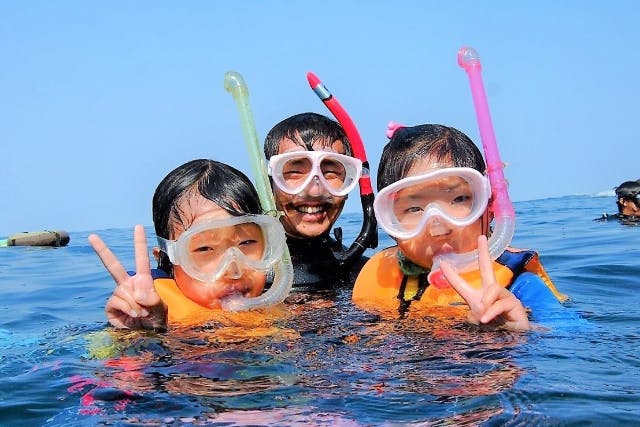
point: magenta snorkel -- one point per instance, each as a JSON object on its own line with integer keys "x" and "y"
{"x": 368, "y": 237}
{"x": 501, "y": 206}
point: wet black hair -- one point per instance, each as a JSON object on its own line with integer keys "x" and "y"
{"x": 222, "y": 184}
{"x": 410, "y": 144}
{"x": 628, "y": 190}
{"x": 308, "y": 128}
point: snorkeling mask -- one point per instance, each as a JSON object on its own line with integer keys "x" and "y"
{"x": 456, "y": 195}
{"x": 211, "y": 249}
{"x": 293, "y": 171}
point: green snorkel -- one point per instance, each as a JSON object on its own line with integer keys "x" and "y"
{"x": 283, "y": 279}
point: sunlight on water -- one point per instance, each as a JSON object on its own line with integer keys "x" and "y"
{"x": 323, "y": 361}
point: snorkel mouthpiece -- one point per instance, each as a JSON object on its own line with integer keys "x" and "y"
{"x": 501, "y": 206}
{"x": 283, "y": 278}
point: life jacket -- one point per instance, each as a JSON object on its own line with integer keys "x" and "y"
{"x": 381, "y": 284}
{"x": 182, "y": 309}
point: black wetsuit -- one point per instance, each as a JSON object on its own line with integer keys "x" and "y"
{"x": 315, "y": 267}
{"x": 624, "y": 219}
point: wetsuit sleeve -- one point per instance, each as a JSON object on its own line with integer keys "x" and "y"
{"x": 545, "y": 308}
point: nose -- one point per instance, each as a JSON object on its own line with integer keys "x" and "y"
{"x": 233, "y": 269}
{"x": 315, "y": 187}
{"x": 437, "y": 227}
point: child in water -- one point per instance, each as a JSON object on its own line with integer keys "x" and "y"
{"x": 434, "y": 199}
{"x": 214, "y": 244}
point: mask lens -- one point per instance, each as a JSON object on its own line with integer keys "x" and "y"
{"x": 207, "y": 248}
{"x": 294, "y": 171}
{"x": 457, "y": 196}
{"x": 334, "y": 173}
{"x": 453, "y": 196}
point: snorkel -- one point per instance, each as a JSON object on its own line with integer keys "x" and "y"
{"x": 368, "y": 237}
{"x": 283, "y": 278}
{"x": 501, "y": 206}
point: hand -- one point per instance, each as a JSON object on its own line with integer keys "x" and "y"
{"x": 134, "y": 304}
{"x": 491, "y": 303}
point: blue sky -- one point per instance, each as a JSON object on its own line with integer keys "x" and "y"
{"x": 99, "y": 100}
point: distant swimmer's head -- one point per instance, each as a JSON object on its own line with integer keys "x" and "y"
{"x": 628, "y": 198}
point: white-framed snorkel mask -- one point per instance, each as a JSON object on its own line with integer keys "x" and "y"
{"x": 293, "y": 171}
{"x": 214, "y": 249}
{"x": 432, "y": 202}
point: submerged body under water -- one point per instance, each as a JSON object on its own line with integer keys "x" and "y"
{"x": 321, "y": 360}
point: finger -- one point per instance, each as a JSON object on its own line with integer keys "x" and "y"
{"x": 496, "y": 309}
{"x": 507, "y": 306}
{"x": 141, "y": 250}
{"x": 124, "y": 299}
{"x": 511, "y": 313}
{"x": 466, "y": 291}
{"x": 109, "y": 260}
{"x": 492, "y": 293}
{"x": 487, "y": 275}
{"x": 145, "y": 293}
{"x": 120, "y": 312}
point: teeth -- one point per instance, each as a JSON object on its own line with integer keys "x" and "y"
{"x": 310, "y": 209}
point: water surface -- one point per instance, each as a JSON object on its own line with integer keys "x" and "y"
{"x": 324, "y": 361}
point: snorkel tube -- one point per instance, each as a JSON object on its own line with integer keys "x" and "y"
{"x": 501, "y": 206}
{"x": 368, "y": 237}
{"x": 283, "y": 279}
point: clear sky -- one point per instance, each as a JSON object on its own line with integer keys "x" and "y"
{"x": 99, "y": 100}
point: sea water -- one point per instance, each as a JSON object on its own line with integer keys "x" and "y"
{"x": 328, "y": 363}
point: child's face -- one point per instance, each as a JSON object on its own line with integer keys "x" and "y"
{"x": 236, "y": 279}
{"x": 439, "y": 236}
{"x": 314, "y": 210}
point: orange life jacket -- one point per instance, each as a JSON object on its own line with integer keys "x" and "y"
{"x": 381, "y": 285}
{"x": 185, "y": 312}
{"x": 181, "y": 308}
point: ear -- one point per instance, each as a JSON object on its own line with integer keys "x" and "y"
{"x": 156, "y": 253}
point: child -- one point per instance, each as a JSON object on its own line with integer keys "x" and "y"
{"x": 433, "y": 200}
{"x": 214, "y": 245}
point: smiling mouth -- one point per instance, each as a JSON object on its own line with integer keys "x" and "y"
{"x": 311, "y": 209}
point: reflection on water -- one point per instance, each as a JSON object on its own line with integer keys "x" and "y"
{"x": 321, "y": 360}
{"x": 346, "y": 365}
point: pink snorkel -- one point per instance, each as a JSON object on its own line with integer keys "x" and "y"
{"x": 501, "y": 206}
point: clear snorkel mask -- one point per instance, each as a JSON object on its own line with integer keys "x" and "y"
{"x": 432, "y": 202}
{"x": 227, "y": 248}
{"x": 294, "y": 171}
